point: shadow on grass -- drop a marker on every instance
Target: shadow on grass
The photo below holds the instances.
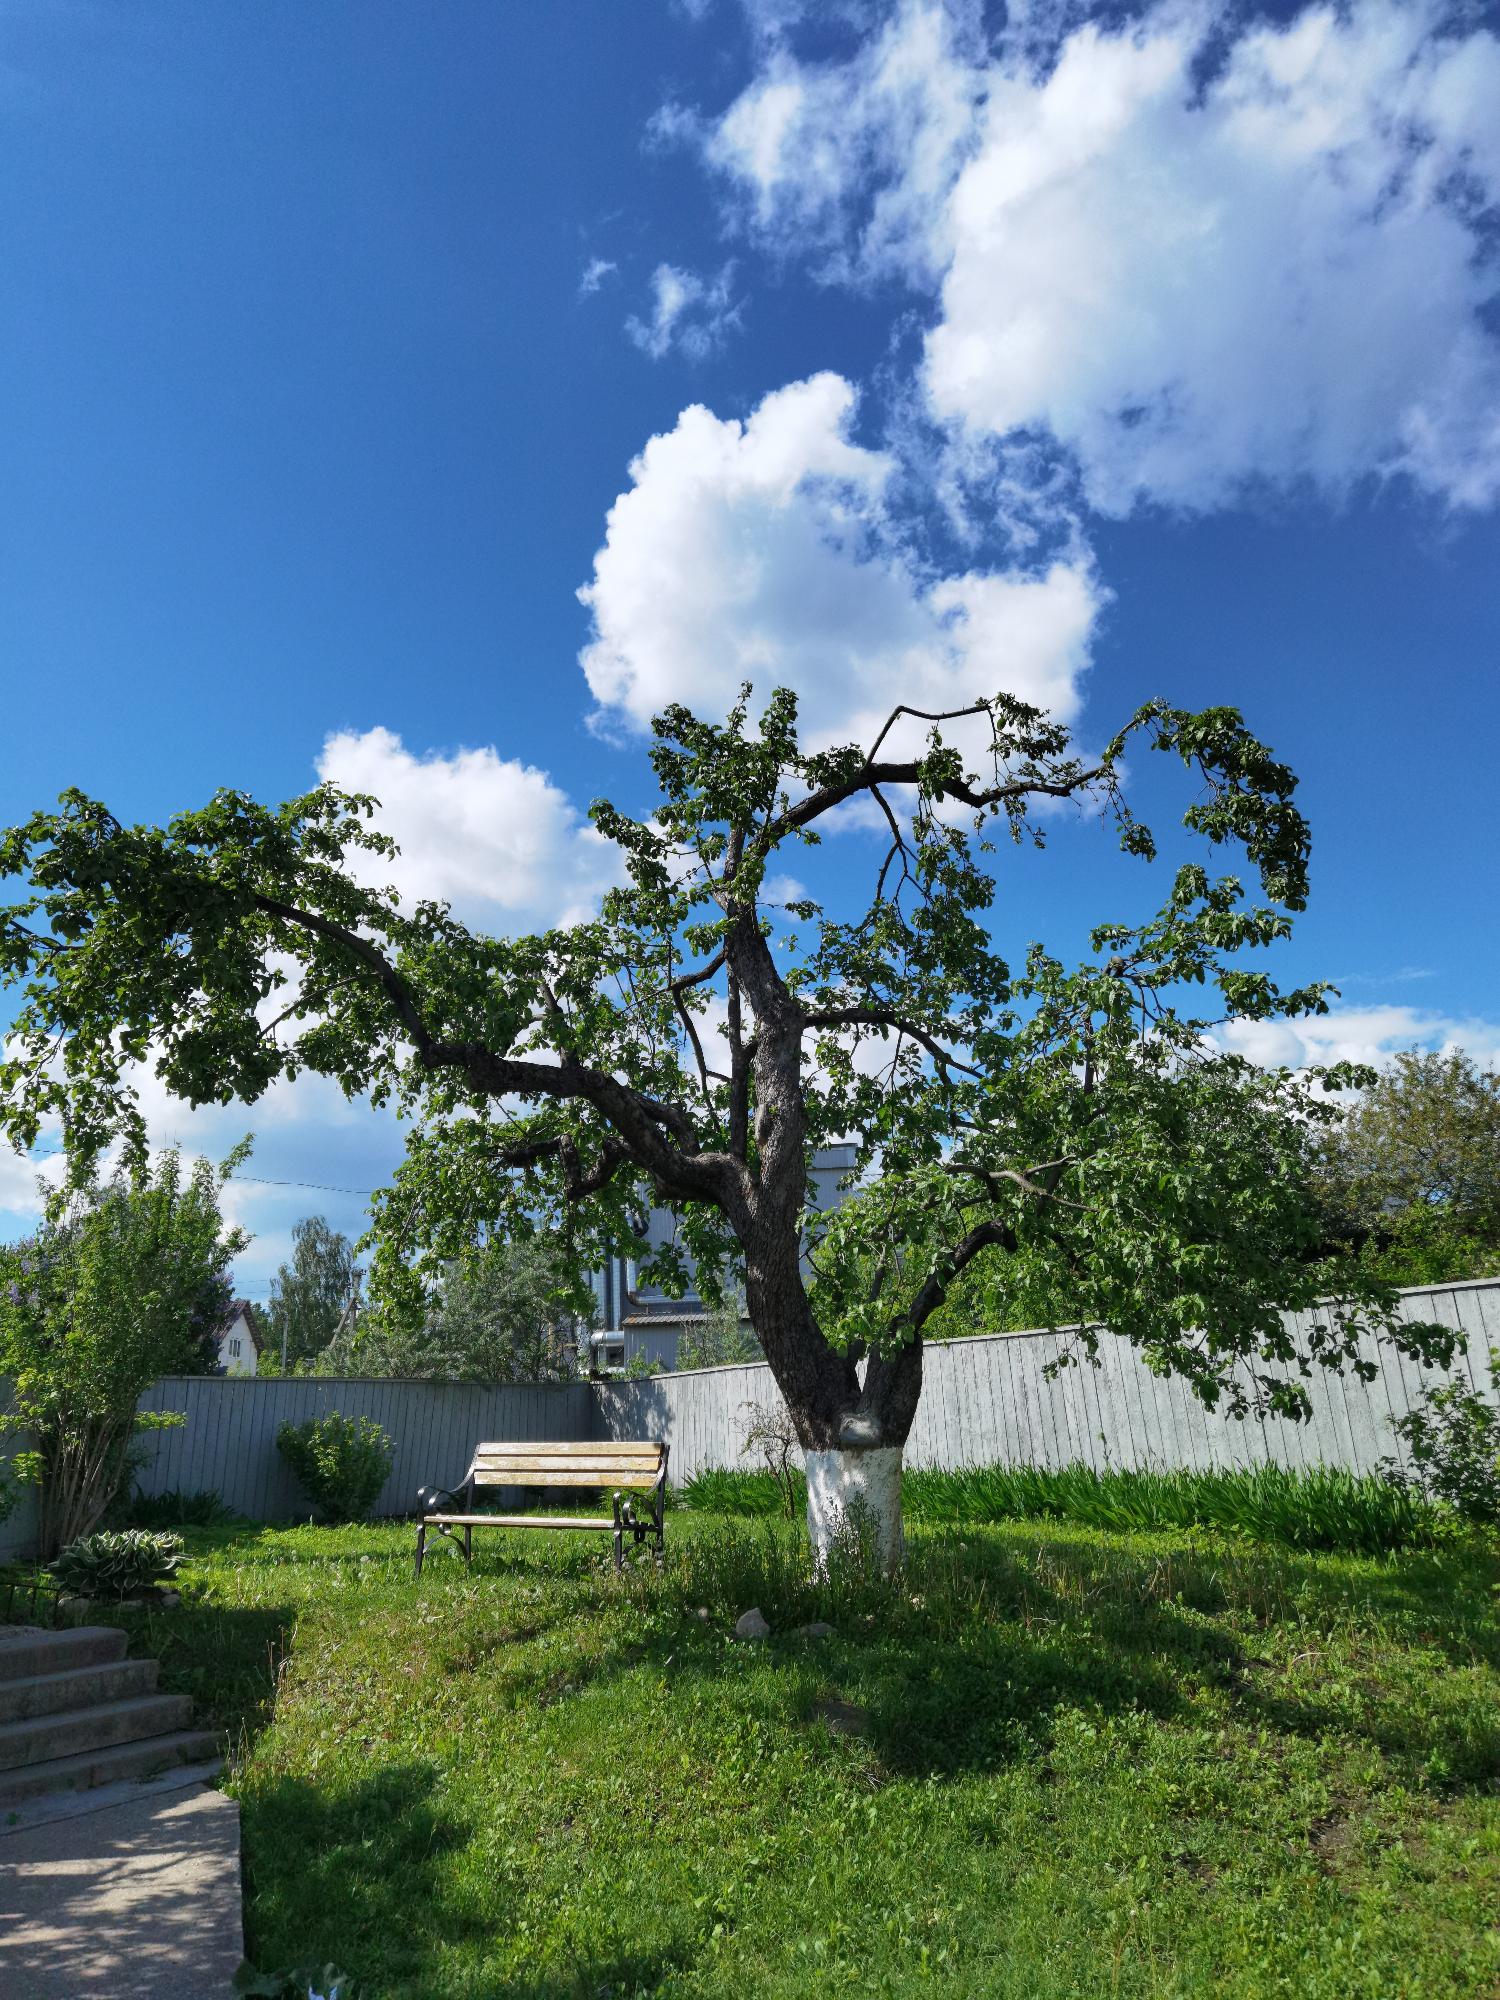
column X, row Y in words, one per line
column 227, row 1657
column 364, row 1877
column 964, row 1664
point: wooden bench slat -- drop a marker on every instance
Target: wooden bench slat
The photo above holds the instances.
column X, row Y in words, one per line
column 520, row 1476
column 571, row 1451
column 520, row 1521
column 605, row 1467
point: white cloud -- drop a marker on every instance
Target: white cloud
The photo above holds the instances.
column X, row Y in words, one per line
column 316, row 1153
column 1364, row 1035
column 690, row 313
column 489, row 834
column 1277, row 276
column 852, row 159
column 764, row 550
column 594, row 274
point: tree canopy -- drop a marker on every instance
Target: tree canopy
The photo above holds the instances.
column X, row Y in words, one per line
column 313, row 1296
column 503, row 1312
column 698, row 1041
column 1408, row 1180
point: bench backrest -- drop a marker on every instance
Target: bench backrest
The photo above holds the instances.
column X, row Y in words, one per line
column 569, row 1464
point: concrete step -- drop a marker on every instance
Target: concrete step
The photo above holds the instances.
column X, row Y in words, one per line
column 76, row 1731
column 145, row 1759
column 77, row 1687
column 26, row 1651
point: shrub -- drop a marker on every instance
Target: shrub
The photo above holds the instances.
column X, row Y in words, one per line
column 117, row 1562
column 772, row 1434
column 123, row 1282
column 1454, row 1439
column 340, row 1462
column 176, row 1509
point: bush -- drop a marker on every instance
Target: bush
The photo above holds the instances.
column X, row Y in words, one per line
column 124, row 1281
column 117, row 1563
column 1454, row 1439
column 340, row 1462
column 176, row 1509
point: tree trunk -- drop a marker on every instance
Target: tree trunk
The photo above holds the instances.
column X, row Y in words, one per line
column 83, row 1466
column 854, row 1502
column 851, row 1432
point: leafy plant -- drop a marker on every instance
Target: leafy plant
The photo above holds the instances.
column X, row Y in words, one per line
column 1453, row 1437
column 126, row 1280
column 1324, row 1508
column 117, row 1562
column 176, row 1509
column 340, row 1462
column 307, row 1982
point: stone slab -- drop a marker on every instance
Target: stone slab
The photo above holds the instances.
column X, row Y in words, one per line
column 140, row 1899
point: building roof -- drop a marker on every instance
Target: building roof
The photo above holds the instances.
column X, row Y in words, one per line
column 242, row 1309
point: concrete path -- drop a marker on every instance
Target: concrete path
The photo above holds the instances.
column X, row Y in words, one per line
column 123, row 1899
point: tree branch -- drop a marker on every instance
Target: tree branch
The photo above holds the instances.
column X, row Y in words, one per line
column 639, row 1119
column 876, row 1017
column 989, row 1235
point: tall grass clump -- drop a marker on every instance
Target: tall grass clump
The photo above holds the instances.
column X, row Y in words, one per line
column 1323, row 1508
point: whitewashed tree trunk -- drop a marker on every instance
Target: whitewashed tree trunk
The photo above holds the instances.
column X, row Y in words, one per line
column 855, row 1489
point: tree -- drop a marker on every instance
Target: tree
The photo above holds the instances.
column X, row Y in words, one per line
column 503, row 1312
column 125, row 1281
column 313, row 1296
column 1081, row 1118
column 721, row 1338
column 1409, row 1178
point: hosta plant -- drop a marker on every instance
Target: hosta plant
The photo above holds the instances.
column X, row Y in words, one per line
column 117, row 1563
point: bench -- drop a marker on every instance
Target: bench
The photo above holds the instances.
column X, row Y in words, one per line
column 612, row 1466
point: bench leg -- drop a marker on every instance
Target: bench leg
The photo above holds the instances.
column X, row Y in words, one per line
column 468, row 1545
column 421, row 1545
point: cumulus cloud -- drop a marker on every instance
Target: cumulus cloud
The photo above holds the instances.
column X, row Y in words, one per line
column 1200, row 258
column 765, row 550
column 490, row 835
column 851, row 159
column 689, row 313
column 1364, row 1035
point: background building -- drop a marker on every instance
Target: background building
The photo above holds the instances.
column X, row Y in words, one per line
column 637, row 1321
column 239, row 1340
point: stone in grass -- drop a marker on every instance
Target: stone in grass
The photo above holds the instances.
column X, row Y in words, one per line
column 75, row 1610
column 751, row 1625
column 844, row 1718
column 817, row 1630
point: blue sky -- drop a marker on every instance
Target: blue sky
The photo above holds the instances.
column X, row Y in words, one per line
column 1102, row 358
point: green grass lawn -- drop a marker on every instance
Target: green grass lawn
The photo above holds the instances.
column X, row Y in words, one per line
column 1094, row 1764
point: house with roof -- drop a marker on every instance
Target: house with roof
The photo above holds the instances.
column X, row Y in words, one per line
column 637, row 1321
column 239, row 1339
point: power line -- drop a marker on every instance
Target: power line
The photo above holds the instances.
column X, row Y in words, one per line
column 321, row 1187
column 260, row 1180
